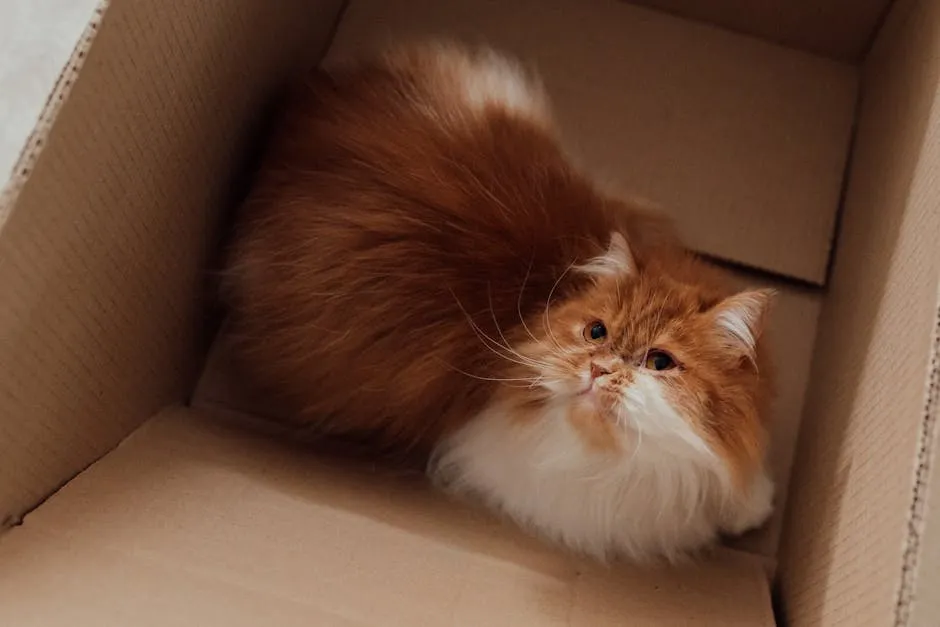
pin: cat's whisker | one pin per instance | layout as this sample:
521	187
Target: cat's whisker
548	304
519	304
490	342
480	333
639	442
485	339
536	382
496	379
505	345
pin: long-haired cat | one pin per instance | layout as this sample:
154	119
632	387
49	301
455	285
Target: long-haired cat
419	261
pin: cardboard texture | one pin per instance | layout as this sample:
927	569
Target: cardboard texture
102	262
869	429
197	518
722	131
198	523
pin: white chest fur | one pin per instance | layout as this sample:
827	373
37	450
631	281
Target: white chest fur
639	502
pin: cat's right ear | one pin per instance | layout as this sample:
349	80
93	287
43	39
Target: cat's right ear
616	262
740	320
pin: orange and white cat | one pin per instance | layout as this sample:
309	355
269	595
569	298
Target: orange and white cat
420	262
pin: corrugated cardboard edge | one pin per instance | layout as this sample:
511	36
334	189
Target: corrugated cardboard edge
916	525
57	97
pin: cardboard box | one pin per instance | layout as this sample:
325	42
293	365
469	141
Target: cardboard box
799	141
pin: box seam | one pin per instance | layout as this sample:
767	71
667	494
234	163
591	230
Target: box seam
876	31
847	170
19	519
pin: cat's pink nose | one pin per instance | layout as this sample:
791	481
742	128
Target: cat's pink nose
598	370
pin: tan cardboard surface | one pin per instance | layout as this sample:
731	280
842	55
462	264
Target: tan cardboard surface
192	522
742	141
841	29
102	256
851	536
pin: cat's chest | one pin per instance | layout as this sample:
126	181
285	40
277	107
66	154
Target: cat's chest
544	474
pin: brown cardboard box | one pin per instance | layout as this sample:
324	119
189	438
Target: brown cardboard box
135	491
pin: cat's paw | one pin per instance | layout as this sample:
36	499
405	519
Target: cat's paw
753	511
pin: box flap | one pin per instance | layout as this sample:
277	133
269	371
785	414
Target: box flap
742	141
108	223
194	522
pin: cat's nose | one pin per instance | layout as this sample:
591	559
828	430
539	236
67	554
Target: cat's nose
598	370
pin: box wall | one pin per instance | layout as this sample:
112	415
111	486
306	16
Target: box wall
853	488
102	256
841	29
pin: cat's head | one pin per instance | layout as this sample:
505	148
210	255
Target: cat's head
660	351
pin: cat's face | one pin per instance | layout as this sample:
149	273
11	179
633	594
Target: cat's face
649	353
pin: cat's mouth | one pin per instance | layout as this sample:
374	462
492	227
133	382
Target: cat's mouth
597	395
592	387
592	393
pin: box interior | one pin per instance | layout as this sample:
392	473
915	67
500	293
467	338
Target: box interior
115	212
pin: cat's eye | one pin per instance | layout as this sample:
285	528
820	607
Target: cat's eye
659	360
595	331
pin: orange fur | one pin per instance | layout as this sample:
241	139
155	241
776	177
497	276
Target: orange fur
392	271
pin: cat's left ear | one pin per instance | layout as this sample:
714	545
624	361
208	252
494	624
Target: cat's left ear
740	320
617	261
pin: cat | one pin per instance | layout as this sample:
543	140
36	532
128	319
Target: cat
420	261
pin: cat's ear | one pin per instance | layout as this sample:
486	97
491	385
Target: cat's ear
617	261
740	320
